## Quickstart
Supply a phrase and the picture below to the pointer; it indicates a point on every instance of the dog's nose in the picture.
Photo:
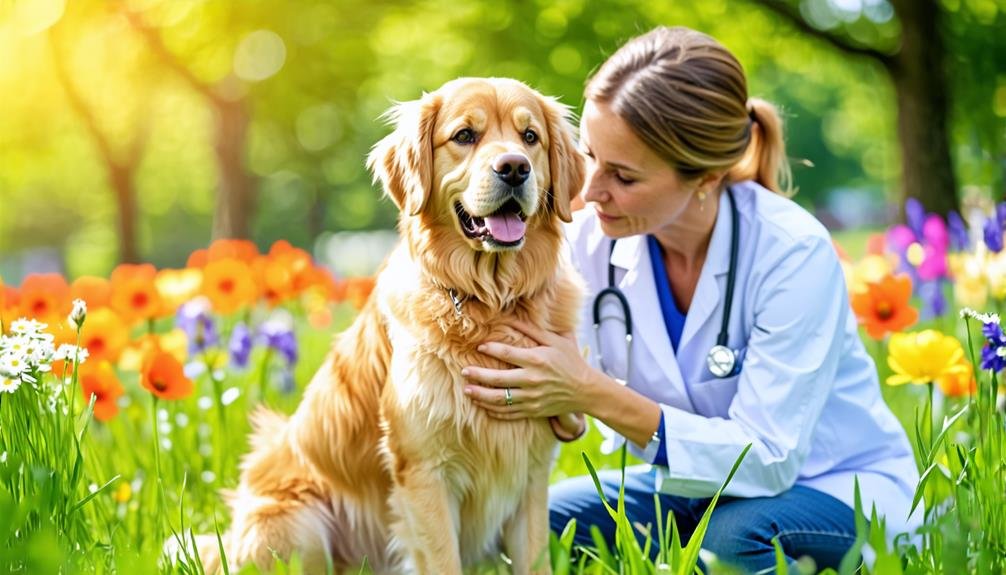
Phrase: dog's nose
(512, 168)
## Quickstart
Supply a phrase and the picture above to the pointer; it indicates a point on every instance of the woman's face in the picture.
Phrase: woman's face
(634, 191)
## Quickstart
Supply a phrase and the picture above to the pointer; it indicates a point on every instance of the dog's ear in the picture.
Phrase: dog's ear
(403, 160)
(565, 163)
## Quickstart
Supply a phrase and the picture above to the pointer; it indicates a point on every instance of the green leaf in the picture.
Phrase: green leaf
(690, 554)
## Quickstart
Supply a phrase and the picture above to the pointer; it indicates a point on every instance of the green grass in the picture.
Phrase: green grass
(77, 496)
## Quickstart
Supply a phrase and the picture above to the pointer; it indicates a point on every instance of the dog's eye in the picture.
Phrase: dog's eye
(464, 136)
(530, 136)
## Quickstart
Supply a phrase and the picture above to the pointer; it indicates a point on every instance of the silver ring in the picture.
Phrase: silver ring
(508, 396)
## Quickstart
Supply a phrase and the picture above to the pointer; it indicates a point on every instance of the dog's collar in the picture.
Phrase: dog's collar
(456, 300)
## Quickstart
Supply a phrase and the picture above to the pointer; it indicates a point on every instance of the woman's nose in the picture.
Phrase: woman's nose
(593, 190)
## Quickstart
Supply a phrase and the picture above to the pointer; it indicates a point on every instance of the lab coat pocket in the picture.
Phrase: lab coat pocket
(712, 397)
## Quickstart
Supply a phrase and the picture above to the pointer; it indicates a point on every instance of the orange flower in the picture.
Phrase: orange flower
(297, 261)
(960, 382)
(123, 272)
(358, 290)
(134, 293)
(9, 298)
(162, 375)
(274, 280)
(173, 342)
(104, 335)
(99, 379)
(884, 306)
(44, 297)
(95, 291)
(198, 259)
(177, 287)
(229, 285)
(225, 249)
(876, 244)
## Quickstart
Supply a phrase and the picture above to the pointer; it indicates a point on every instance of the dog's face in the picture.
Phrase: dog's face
(490, 161)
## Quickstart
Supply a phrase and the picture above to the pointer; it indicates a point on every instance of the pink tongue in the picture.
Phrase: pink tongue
(505, 228)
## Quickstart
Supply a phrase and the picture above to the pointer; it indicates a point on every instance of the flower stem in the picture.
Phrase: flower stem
(157, 469)
(263, 372)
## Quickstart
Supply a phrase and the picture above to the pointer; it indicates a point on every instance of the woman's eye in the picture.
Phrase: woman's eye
(464, 136)
(624, 180)
(530, 137)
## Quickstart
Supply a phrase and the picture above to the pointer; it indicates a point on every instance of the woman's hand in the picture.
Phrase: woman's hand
(550, 379)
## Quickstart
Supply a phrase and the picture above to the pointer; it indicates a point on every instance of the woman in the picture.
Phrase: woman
(677, 154)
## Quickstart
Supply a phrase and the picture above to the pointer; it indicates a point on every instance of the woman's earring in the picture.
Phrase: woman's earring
(702, 200)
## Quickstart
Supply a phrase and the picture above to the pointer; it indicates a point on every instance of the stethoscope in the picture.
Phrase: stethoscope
(721, 360)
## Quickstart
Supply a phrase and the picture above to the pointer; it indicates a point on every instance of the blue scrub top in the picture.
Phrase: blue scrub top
(674, 322)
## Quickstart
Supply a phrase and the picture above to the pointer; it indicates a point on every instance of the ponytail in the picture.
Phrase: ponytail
(764, 160)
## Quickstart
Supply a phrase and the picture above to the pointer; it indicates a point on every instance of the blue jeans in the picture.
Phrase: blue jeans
(806, 521)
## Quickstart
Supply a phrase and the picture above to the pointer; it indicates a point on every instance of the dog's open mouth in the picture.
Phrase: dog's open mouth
(505, 227)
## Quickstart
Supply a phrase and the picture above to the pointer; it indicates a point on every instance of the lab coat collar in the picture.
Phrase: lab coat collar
(711, 287)
(632, 255)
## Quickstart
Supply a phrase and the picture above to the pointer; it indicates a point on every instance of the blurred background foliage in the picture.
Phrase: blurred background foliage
(140, 129)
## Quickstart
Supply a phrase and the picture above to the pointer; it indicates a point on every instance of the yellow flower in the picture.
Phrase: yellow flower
(924, 357)
(123, 493)
(871, 269)
(174, 342)
(995, 271)
(178, 286)
(971, 287)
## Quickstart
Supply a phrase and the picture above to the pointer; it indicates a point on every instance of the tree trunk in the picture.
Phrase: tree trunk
(918, 72)
(121, 180)
(236, 189)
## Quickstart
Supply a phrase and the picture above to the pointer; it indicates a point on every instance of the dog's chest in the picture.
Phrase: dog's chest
(485, 464)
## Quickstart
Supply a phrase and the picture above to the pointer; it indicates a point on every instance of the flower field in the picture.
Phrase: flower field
(124, 400)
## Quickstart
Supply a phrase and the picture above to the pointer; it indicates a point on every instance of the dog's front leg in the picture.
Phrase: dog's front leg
(427, 525)
(525, 535)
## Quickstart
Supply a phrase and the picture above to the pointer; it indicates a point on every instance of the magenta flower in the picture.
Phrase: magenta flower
(922, 246)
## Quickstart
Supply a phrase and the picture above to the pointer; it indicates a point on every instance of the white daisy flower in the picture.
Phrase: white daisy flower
(25, 326)
(8, 385)
(13, 364)
(982, 317)
(70, 352)
(77, 315)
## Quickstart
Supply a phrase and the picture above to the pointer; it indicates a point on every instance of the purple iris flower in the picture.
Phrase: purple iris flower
(278, 335)
(992, 233)
(931, 292)
(193, 317)
(958, 231)
(240, 346)
(994, 352)
(915, 215)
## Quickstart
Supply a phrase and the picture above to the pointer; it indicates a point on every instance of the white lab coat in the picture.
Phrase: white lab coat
(807, 396)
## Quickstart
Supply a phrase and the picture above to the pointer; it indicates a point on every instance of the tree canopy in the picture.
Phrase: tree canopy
(157, 87)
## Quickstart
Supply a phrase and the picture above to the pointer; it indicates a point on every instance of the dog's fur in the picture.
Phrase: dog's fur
(386, 460)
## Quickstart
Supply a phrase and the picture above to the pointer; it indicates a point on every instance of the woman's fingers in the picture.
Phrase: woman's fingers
(541, 336)
(519, 356)
(498, 378)
(496, 401)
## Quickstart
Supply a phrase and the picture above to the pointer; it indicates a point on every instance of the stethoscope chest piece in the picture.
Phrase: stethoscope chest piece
(721, 361)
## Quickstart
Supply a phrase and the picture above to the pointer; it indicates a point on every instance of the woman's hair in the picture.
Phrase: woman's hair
(686, 97)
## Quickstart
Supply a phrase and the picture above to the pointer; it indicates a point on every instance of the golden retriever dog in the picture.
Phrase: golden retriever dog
(386, 461)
